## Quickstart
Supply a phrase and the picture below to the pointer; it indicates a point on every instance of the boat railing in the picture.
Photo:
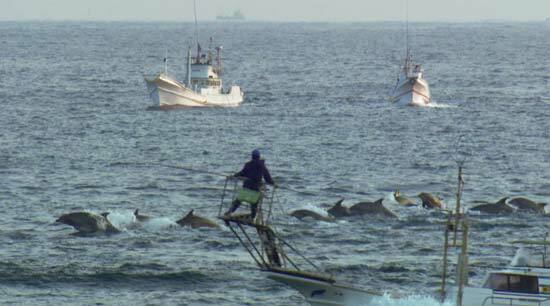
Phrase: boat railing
(266, 247)
(514, 301)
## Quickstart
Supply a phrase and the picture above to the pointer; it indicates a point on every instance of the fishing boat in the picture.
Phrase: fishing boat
(237, 15)
(411, 88)
(278, 259)
(203, 85)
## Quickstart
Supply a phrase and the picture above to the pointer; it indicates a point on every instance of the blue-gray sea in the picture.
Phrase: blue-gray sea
(76, 135)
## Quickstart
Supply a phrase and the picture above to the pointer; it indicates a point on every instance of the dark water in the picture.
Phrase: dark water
(75, 135)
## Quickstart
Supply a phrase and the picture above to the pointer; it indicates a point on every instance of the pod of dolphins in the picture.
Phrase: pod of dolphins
(87, 223)
(428, 201)
(91, 223)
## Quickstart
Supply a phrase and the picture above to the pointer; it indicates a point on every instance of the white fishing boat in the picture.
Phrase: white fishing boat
(411, 87)
(203, 85)
(271, 253)
(237, 15)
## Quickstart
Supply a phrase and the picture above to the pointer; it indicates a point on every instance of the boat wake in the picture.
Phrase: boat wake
(434, 104)
(411, 300)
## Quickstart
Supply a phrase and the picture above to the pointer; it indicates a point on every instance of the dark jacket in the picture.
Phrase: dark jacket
(254, 170)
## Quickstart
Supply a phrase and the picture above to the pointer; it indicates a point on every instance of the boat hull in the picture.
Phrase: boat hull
(487, 297)
(323, 293)
(412, 91)
(168, 93)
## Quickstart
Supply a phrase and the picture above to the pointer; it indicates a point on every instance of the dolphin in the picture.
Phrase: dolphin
(338, 210)
(196, 221)
(528, 205)
(372, 208)
(304, 213)
(88, 223)
(499, 207)
(402, 200)
(141, 218)
(430, 201)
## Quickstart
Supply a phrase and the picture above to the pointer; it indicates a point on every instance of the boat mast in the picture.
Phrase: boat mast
(188, 75)
(166, 62)
(197, 31)
(219, 59)
(407, 25)
(408, 55)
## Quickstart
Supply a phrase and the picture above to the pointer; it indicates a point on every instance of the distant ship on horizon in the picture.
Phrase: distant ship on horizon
(237, 15)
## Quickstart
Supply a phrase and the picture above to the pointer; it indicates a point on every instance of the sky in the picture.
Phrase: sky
(277, 10)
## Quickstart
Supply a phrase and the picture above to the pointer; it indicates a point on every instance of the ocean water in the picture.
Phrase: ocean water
(76, 135)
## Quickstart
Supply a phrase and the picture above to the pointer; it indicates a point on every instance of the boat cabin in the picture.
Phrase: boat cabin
(203, 76)
(513, 282)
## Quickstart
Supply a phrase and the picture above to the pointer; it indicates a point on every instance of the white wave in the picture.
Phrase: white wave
(434, 104)
(121, 219)
(159, 223)
(411, 300)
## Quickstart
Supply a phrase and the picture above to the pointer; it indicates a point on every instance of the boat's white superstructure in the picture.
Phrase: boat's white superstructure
(522, 283)
(203, 86)
(411, 87)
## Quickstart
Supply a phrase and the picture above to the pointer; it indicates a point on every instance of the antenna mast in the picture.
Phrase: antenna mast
(407, 25)
(196, 28)
(166, 62)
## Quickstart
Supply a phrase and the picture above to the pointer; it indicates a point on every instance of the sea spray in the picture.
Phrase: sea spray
(410, 300)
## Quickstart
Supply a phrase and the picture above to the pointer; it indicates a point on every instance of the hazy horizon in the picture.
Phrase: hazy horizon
(279, 11)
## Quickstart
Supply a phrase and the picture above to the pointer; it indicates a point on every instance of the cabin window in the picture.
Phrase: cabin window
(513, 283)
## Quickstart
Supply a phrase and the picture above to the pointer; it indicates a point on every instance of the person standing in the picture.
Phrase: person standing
(253, 173)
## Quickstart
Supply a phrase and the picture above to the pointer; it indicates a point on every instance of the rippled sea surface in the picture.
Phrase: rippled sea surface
(76, 135)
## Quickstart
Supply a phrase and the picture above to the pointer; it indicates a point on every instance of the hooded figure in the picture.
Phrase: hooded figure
(253, 172)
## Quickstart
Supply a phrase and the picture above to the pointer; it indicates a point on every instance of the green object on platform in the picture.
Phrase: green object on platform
(248, 195)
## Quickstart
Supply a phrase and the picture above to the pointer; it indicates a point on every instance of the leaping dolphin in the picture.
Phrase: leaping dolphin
(372, 208)
(196, 221)
(88, 223)
(528, 205)
(402, 200)
(304, 213)
(338, 210)
(430, 201)
(499, 207)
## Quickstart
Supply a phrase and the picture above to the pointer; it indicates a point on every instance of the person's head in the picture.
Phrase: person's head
(256, 154)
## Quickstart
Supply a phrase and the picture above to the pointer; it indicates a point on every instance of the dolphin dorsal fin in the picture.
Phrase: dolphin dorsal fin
(502, 201)
(379, 201)
(190, 213)
(136, 212)
(339, 202)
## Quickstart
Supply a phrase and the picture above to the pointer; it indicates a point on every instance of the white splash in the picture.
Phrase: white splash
(522, 258)
(411, 300)
(121, 219)
(160, 223)
(434, 104)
